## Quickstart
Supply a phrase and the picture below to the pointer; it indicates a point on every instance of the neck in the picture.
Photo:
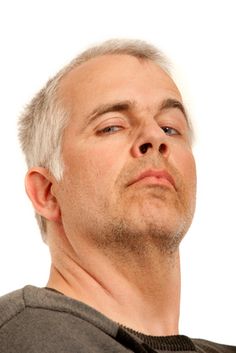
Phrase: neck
(139, 292)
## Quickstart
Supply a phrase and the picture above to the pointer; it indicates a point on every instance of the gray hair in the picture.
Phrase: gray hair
(42, 124)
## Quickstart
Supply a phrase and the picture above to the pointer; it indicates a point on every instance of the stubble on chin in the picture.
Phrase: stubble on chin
(140, 233)
(127, 235)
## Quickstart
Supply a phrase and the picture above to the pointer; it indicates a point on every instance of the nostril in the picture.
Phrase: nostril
(162, 148)
(143, 148)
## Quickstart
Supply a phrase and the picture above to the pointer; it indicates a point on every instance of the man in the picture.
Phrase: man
(112, 180)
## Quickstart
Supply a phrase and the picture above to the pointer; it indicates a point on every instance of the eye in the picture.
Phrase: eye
(110, 129)
(170, 131)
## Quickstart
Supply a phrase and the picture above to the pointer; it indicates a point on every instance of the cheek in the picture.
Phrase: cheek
(94, 167)
(189, 167)
(100, 163)
(184, 162)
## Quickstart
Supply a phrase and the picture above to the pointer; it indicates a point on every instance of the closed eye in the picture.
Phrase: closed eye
(170, 131)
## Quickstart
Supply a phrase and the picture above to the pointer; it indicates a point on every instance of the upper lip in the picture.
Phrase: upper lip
(159, 174)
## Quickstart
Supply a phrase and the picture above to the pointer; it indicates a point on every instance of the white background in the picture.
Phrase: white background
(39, 37)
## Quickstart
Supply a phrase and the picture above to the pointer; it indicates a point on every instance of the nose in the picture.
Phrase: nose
(152, 139)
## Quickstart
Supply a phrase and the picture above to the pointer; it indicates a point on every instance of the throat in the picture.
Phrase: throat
(143, 297)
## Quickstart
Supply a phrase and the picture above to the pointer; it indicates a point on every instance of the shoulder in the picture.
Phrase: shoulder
(34, 305)
(11, 305)
(28, 321)
(204, 346)
(36, 320)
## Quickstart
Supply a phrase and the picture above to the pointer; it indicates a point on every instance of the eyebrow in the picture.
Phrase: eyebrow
(171, 103)
(110, 107)
(128, 105)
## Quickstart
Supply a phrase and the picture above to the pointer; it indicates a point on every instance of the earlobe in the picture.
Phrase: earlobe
(38, 185)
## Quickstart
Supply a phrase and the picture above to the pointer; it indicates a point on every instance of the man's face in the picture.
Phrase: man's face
(129, 177)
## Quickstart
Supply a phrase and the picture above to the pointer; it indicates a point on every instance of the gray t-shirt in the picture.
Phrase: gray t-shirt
(40, 320)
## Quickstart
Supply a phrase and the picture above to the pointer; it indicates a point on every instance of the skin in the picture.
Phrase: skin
(114, 242)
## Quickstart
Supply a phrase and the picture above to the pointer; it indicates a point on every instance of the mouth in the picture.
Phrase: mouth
(155, 177)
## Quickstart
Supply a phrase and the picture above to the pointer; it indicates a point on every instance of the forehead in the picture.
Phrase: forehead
(114, 77)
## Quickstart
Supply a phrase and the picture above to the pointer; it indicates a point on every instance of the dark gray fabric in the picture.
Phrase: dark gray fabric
(38, 320)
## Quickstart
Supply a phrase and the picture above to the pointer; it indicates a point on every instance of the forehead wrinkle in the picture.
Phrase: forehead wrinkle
(67, 95)
(132, 106)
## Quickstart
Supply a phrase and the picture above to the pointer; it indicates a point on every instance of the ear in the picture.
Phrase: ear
(38, 185)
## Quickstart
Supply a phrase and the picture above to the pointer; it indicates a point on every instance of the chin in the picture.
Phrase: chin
(139, 236)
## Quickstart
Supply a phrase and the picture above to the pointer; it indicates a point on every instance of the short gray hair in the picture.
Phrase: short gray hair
(42, 124)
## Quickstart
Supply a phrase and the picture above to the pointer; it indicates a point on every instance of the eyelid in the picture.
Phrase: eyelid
(114, 123)
(174, 122)
(171, 128)
(173, 116)
(111, 121)
(102, 131)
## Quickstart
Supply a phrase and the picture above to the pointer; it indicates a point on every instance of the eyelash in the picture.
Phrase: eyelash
(167, 130)
(105, 130)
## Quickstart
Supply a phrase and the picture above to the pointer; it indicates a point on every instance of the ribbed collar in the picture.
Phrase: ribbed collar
(162, 343)
(165, 343)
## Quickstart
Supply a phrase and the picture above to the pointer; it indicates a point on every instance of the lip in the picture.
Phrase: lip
(155, 177)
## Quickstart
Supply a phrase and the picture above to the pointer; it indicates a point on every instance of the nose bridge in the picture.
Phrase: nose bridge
(150, 132)
(151, 129)
(150, 137)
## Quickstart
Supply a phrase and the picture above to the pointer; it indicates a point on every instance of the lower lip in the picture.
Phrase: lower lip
(152, 180)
